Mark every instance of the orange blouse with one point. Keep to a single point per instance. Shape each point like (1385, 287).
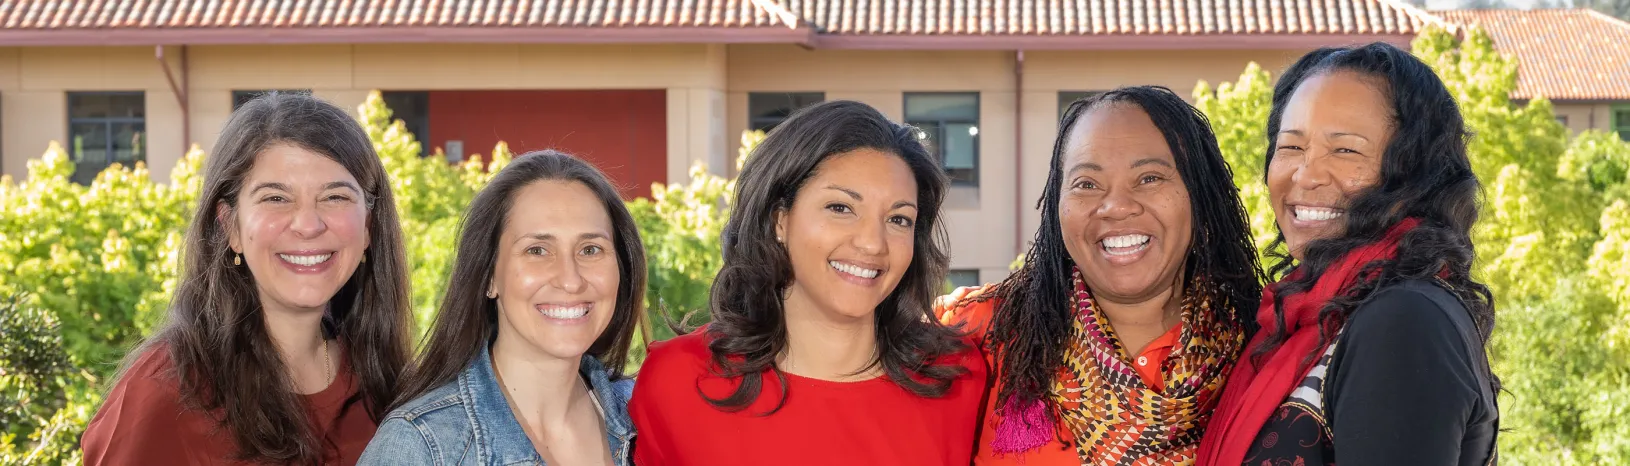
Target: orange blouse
(975, 319)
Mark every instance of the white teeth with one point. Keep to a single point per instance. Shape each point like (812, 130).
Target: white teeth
(1317, 214)
(305, 260)
(853, 270)
(573, 312)
(1125, 240)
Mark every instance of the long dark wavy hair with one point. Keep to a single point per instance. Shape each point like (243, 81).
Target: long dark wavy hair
(1031, 327)
(216, 332)
(749, 327)
(468, 319)
(1425, 174)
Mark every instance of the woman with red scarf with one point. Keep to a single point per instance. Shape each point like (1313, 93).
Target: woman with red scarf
(1371, 348)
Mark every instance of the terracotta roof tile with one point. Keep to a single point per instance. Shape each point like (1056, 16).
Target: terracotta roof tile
(851, 17)
(1561, 54)
(43, 14)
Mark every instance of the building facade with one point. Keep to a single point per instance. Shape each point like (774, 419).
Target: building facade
(645, 90)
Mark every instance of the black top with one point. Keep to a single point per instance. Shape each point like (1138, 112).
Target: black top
(1407, 383)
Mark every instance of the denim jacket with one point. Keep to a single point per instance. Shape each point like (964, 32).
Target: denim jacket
(468, 422)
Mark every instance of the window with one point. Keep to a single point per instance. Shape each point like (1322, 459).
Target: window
(1067, 97)
(1621, 121)
(965, 277)
(413, 108)
(950, 128)
(766, 110)
(105, 128)
(243, 97)
(1563, 119)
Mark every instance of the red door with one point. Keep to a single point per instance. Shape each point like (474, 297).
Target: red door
(623, 132)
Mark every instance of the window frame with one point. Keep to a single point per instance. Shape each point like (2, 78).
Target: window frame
(419, 125)
(756, 123)
(1618, 125)
(939, 125)
(79, 176)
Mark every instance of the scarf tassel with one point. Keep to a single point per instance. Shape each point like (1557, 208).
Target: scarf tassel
(1021, 429)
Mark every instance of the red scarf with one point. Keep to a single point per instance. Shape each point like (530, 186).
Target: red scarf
(1253, 392)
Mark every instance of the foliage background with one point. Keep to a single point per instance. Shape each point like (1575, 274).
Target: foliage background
(90, 268)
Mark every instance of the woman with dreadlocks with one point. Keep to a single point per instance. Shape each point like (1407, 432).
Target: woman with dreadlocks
(1111, 344)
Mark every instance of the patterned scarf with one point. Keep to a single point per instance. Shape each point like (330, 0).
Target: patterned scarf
(1118, 420)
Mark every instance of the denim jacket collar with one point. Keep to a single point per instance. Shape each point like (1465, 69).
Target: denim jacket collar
(498, 433)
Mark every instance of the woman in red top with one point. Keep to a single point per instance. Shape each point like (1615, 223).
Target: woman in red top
(290, 322)
(822, 350)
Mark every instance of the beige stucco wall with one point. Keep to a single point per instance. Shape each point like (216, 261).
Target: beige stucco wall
(34, 82)
(33, 91)
(1586, 115)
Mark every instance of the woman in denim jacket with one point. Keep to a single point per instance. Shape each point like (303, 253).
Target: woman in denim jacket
(524, 362)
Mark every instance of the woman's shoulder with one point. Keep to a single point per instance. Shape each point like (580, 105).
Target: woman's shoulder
(150, 379)
(1411, 303)
(143, 417)
(970, 309)
(442, 401)
(681, 354)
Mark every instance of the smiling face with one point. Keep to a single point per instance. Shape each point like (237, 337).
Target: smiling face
(1332, 135)
(301, 224)
(1123, 209)
(557, 274)
(850, 234)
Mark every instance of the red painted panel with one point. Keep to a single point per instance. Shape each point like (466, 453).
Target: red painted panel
(623, 132)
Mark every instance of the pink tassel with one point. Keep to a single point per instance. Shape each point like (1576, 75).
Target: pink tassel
(1020, 430)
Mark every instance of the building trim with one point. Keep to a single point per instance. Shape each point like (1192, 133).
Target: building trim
(802, 36)
(1102, 41)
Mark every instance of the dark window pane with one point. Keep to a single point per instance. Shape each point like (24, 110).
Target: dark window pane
(413, 108)
(765, 110)
(105, 128)
(129, 143)
(88, 106)
(960, 278)
(950, 125)
(1621, 123)
(961, 106)
(106, 105)
(88, 147)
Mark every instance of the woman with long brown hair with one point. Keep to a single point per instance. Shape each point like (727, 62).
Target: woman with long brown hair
(524, 363)
(289, 326)
(821, 350)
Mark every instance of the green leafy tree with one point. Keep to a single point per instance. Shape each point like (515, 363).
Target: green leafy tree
(682, 225)
(1239, 116)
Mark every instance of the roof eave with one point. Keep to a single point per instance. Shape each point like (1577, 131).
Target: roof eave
(1099, 41)
(405, 35)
